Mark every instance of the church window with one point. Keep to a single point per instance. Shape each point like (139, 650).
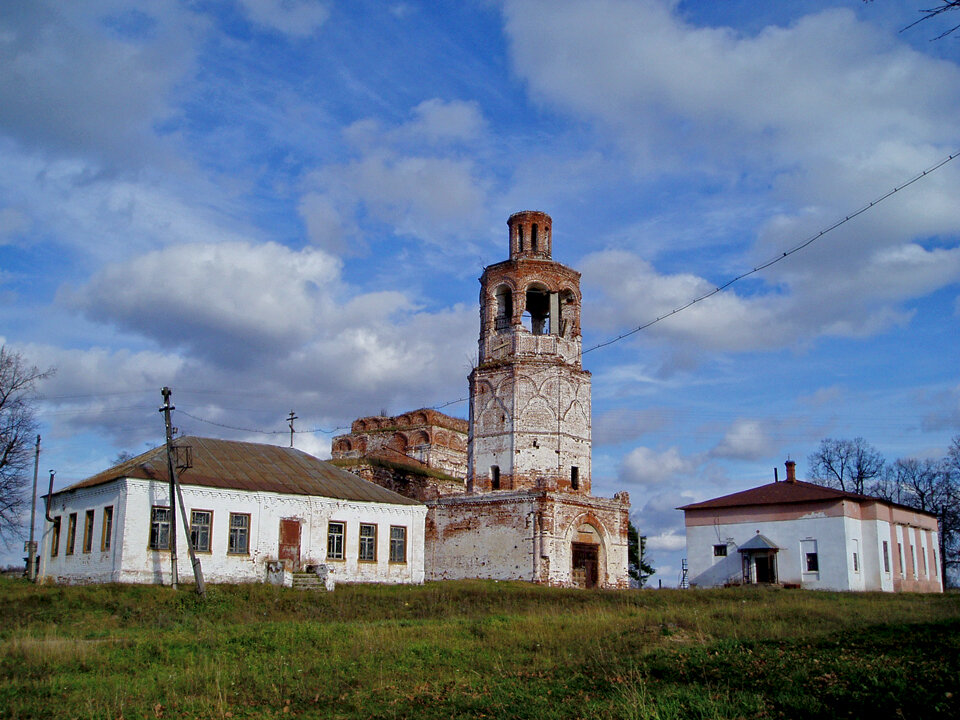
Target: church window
(495, 477)
(575, 477)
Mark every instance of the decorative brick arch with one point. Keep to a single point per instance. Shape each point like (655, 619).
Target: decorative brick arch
(574, 538)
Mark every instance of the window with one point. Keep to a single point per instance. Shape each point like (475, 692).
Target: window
(575, 477)
(923, 556)
(811, 560)
(398, 544)
(200, 523)
(856, 556)
(71, 532)
(719, 550)
(495, 477)
(335, 533)
(159, 528)
(106, 532)
(88, 531)
(900, 558)
(368, 543)
(55, 537)
(239, 541)
(933, 562)
(886, 556)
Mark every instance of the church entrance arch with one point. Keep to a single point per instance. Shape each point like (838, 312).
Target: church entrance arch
(586, 556)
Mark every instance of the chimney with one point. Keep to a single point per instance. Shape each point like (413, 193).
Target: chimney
(791, 471)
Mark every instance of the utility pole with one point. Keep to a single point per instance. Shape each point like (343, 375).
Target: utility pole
(165, 409)
(290, 419)
(32, 544)
(176, 497)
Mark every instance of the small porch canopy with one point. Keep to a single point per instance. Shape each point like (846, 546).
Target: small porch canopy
(759, 560)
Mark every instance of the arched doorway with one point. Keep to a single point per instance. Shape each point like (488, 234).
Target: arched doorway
(586, 556)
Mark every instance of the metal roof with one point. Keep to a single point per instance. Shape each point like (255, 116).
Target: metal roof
(758, 542)
(250, 466)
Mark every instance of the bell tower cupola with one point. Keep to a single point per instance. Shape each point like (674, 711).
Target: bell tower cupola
(530, 235)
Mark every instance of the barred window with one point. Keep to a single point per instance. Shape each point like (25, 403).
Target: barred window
(398, 544)
(159, 528)
(720, 550)
(200, 523)
(335, 533)
(368, 543)
(239, 541)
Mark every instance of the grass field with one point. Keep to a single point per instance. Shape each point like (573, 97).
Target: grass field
(475, 649)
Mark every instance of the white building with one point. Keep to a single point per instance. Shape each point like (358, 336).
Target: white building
(801, 534)
(254, 510)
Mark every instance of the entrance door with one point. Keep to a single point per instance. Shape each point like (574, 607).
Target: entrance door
(290, 542)
(586, 564)
(766, 568)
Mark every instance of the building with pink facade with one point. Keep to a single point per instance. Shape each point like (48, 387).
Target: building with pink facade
(795, 533)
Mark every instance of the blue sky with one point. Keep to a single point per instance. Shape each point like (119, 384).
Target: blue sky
(271, 205)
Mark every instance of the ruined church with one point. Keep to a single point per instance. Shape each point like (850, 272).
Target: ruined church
(508, 494)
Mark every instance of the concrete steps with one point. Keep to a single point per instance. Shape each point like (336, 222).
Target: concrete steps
(307, 581)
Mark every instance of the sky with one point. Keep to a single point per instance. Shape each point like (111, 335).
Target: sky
(276, 205)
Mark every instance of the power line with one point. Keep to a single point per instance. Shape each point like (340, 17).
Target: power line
(782, 256)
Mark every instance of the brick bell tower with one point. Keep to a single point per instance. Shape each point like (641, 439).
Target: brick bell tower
(529, 394)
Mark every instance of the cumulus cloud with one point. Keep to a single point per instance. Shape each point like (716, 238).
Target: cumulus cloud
(230, 301)
(644, 466)
(410, 177)
(745, 440)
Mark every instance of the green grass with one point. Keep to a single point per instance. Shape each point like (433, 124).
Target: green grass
(475, 649)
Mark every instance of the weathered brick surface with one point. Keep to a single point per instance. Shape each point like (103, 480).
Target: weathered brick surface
(527, 508)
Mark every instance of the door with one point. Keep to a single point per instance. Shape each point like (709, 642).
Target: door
(290, 542)
(586, 565)
(766, 568)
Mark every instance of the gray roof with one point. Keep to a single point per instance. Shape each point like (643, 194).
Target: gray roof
(250, 466)
(758, 542)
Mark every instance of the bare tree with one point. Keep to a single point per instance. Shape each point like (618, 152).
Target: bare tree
(846, 465)
(17, 430)
(932, 12)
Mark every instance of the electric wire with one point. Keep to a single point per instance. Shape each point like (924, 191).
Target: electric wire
(773, 261)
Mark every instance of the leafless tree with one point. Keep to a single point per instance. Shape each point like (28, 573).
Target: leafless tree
(847, 465)
(18, 429)
(932, 12)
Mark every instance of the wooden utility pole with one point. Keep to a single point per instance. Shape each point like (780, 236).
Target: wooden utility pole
(31, 543)
(176, 498)
(172, 537)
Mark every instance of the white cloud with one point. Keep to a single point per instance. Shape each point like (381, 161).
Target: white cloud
(70, 85)
(644, 466)
(299, 18)
(745, 440)
(669, 541)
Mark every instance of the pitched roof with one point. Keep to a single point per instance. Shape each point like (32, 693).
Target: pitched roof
(250, 466)
(777, 493)
(758, 542)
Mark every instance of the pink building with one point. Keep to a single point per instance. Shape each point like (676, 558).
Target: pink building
(801, 534)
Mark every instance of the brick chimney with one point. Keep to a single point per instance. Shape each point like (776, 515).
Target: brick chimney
(791, 471)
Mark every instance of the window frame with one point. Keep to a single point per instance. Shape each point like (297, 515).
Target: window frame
(237, 531)
(106, 529)
(88, 517)
(398, 558)
(209, 526)
(341, 538)
(720, 550)
(71, 533)
(157, 528)
(55, 536)
(886, 557)
(367, 542)
(812, 562)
